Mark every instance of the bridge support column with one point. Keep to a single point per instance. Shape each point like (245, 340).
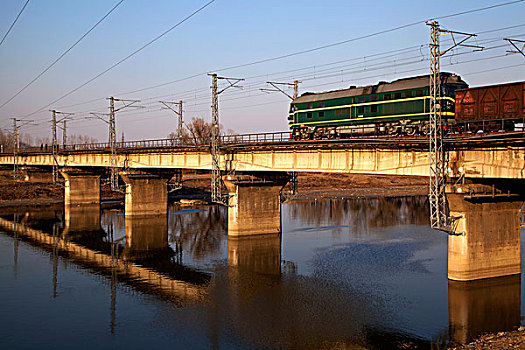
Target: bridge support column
(37, 175)
(254, 205)
(485, 240)
(81, 186)
(146, 191)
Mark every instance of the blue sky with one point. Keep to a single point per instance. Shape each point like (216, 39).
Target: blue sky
(229, 33)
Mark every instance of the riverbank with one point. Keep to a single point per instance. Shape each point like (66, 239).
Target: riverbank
(497, 341)
(310, 186)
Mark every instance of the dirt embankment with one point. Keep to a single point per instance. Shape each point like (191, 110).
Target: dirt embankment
(497, 341)
(310, 185)
(323, 185)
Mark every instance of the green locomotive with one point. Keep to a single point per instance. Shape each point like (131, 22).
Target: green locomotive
(398, 108)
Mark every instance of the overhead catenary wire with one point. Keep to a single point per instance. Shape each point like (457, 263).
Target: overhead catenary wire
(63, 54)
(310, 86)
(368, 58)
(193, 91)
(14, 22)
(124, 59)
(268, 59)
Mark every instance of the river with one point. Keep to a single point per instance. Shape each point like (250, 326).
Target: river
(346, 273)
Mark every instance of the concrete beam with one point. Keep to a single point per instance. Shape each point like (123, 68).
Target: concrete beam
(82, 186)
(485, 241)
(254, 205)
(146, 191)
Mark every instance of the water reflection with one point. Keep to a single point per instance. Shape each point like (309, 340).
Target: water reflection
(373, 292)
(487, 305)
(362, 214)
(258, 253)
(199, 231)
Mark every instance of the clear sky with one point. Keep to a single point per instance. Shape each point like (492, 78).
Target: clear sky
(230, 33)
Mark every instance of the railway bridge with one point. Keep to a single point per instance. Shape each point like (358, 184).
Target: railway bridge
(485, 195)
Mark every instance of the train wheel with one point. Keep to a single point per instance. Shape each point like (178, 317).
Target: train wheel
(473, 128)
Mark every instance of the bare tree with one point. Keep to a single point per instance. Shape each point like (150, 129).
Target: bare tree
(197, 131)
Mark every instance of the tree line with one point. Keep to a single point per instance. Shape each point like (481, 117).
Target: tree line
(196, 131)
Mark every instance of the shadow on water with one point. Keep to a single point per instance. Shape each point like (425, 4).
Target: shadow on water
(375, 286)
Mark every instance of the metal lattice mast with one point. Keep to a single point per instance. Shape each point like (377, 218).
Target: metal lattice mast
(54, 145)
(178, 112)
(64, 133)
(216, 170)
(112, 137)
(216, 182)
(277, 87)
(437, 197)
(16, 146)
(179, 127)
(112, 144)
(439, 216)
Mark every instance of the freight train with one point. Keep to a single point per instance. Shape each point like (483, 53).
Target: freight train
(402, 107)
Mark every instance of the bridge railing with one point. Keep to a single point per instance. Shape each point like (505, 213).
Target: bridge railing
(254, 138)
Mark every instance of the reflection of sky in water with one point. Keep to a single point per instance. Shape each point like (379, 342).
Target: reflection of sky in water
(370, 265)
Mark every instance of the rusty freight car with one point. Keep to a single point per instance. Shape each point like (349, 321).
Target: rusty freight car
(491, 108)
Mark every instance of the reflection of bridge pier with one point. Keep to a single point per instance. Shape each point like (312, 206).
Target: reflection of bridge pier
(258, 253)
(487, 305)
(485, 241)
(81, 219)
(146, 236)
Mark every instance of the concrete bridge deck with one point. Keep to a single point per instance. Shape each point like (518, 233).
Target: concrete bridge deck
(495, 155)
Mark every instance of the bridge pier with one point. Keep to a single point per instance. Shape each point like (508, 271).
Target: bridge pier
(254, 205)
(485, 239)
(33, 174)
(146, 191)
(82, 186)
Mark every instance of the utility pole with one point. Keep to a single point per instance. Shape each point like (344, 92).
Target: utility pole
(280, 87)
(439, 216)
(171, 106)
(514, 42)
(54, 142)
(216, 196)
(54, 145)
(16, 144)
(64, 133)
(112, 139)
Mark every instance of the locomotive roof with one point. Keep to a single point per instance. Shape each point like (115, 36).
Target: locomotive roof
(400, 84)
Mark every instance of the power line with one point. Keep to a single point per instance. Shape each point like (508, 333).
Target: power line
(126, 58)
(268, 74)
(13, 24)
(62, 55)
(316, 48)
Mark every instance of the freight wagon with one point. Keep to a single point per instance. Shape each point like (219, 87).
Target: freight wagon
(490, 108)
